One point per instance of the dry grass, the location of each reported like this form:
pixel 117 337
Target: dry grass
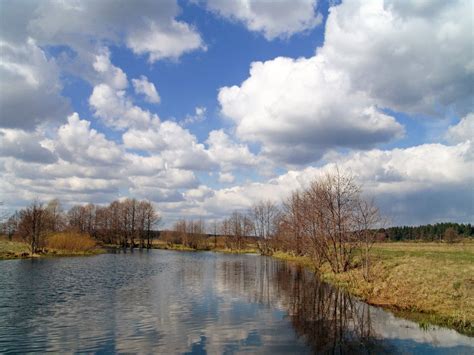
pixel 70 242
pixel 434 280
pixel 13 249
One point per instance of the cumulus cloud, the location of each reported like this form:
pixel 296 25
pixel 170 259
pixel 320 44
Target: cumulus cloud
pixel 79 164
pixel 117 110
pixel 274 19
pixel 77 142
pixel 409 56
pixel 145 26
pixel 402 181
pixel 227 153
pixel 107 72
pixel 226 177
pixel 462 131
pixel 198 116
pixel 300 108
pixel 170 42
pixel 148 90
pixel 177 145
pixel 30 86
pixel 25 146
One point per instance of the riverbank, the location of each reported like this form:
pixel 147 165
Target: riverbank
pixel 249 249
pixel 19 250
pixel 430 283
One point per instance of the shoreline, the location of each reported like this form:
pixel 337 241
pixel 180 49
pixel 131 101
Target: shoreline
pixel 416 304
pixel 408 281
pixel 14 250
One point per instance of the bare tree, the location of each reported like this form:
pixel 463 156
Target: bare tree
pixel 32 226
pixel 368 221
pixel 56 215
pixel 292 221
pixel 265 216
pixel 330 220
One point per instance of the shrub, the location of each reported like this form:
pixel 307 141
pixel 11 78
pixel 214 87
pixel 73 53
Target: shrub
pixel 70 241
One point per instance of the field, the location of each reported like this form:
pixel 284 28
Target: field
pixel 427 282
pixel 60 244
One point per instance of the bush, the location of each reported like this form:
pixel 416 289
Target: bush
pixel 71 241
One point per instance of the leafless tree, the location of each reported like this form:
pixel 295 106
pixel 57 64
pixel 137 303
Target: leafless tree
pixel 32 225
pixel 265 216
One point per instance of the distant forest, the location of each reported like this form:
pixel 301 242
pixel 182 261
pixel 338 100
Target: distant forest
pixel 429 232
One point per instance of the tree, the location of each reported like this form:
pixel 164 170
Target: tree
pixel 265 216
pixel 329 220
pixel 56 215
pixel 367 217
pixel 151 219
pixel 450 235
pixel 10 227
pixel 292 221
pixel 32 225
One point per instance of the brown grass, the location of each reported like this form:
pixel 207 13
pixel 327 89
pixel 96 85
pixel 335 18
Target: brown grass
pixel 432 281
pixel 70 241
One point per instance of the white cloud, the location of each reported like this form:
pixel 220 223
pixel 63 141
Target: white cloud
pixel 462 131
pixel 422 184
pixel 25 146
pixel 30 80
pixel 298 109
pixel 117 110
pixel 228 153
pixel 199 193
pixel 160 43
pixel 274 19
pixel 226 177
pixel 77 142
pixel 199 116
pixel 30 86
pixel 108 73
pixel 145 26
pixel 410 56
pixel 176 145
pixel 147 89
pixel 167 179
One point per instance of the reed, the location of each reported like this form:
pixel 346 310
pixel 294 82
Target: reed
pixel 70 241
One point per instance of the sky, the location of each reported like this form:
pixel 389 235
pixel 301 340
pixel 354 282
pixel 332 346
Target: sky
pixel 207 106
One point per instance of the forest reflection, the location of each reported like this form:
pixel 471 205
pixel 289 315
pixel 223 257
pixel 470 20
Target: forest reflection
pixel 327 318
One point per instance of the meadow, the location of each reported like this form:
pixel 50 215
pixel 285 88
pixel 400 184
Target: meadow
pixel 432 283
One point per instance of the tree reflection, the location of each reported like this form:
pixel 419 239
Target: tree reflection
pixel 327 318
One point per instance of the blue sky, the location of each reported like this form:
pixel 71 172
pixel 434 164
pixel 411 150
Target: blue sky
pixel 208 106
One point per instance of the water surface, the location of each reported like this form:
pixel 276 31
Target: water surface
pixel 160 301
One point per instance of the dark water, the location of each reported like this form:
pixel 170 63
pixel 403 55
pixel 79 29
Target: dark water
pixel 177 302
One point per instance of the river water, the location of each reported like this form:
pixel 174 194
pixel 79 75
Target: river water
pixel 166 302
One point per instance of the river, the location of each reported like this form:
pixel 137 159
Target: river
pixel 157 301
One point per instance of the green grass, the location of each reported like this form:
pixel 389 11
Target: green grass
pixel 427 282
pixel 249 249
pixel 13 250
pixel 17 250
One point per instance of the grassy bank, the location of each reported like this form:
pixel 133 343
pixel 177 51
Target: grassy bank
pixel 249 249
pixel 56 247
pixel 426 282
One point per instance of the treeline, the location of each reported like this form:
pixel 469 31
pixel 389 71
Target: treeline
pixel 128 223
pixel 430 232
pixel 328 221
